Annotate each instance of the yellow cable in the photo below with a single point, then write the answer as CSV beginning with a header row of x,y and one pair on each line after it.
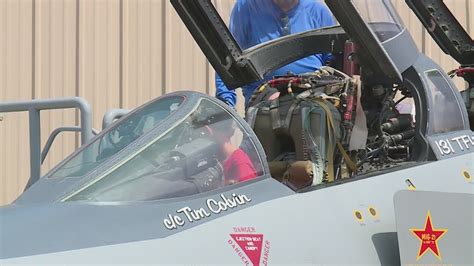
x,y
352,166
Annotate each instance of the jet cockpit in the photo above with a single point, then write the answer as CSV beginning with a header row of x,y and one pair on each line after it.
x,y
175,146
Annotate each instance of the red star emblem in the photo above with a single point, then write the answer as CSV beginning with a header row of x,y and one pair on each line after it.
x,y
429,238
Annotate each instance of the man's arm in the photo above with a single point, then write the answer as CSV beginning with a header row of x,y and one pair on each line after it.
x,y
223,93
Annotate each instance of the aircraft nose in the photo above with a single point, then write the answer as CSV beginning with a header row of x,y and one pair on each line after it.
x,y
37,229
30,230
12,220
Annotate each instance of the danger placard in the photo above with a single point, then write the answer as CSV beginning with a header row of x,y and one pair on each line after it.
x,y
251,245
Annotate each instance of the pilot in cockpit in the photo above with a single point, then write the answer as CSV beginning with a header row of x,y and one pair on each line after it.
x,y
237,164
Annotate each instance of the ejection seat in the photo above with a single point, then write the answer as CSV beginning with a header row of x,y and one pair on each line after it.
x,y
284,127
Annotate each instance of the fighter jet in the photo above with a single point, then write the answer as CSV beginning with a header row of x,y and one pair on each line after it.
x,y
326,168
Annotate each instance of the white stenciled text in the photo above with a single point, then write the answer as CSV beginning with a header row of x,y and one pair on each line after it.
x,y
460,143
213,206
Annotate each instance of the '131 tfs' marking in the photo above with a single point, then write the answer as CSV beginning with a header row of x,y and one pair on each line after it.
x,y
446,146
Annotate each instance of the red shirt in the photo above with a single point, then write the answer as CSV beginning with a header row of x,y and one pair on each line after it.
x,y
239,167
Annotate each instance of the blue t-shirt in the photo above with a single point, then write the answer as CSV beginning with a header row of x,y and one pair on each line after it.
x,y
257,21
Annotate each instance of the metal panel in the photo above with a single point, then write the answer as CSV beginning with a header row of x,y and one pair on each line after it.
x,y
99,56
15,83
186,66
143,51
55,69
470,17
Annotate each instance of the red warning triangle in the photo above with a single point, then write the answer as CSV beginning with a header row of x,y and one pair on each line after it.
x,y
251,245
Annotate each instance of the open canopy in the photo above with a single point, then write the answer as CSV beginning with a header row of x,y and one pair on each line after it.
x,y
373,24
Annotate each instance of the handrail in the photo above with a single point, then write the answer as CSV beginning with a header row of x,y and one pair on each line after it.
x,y
34,107
112,115
53,136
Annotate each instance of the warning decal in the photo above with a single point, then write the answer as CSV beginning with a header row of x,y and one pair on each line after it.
x,y
251,245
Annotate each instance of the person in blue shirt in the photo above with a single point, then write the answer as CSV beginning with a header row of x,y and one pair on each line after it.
x,y
257,21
